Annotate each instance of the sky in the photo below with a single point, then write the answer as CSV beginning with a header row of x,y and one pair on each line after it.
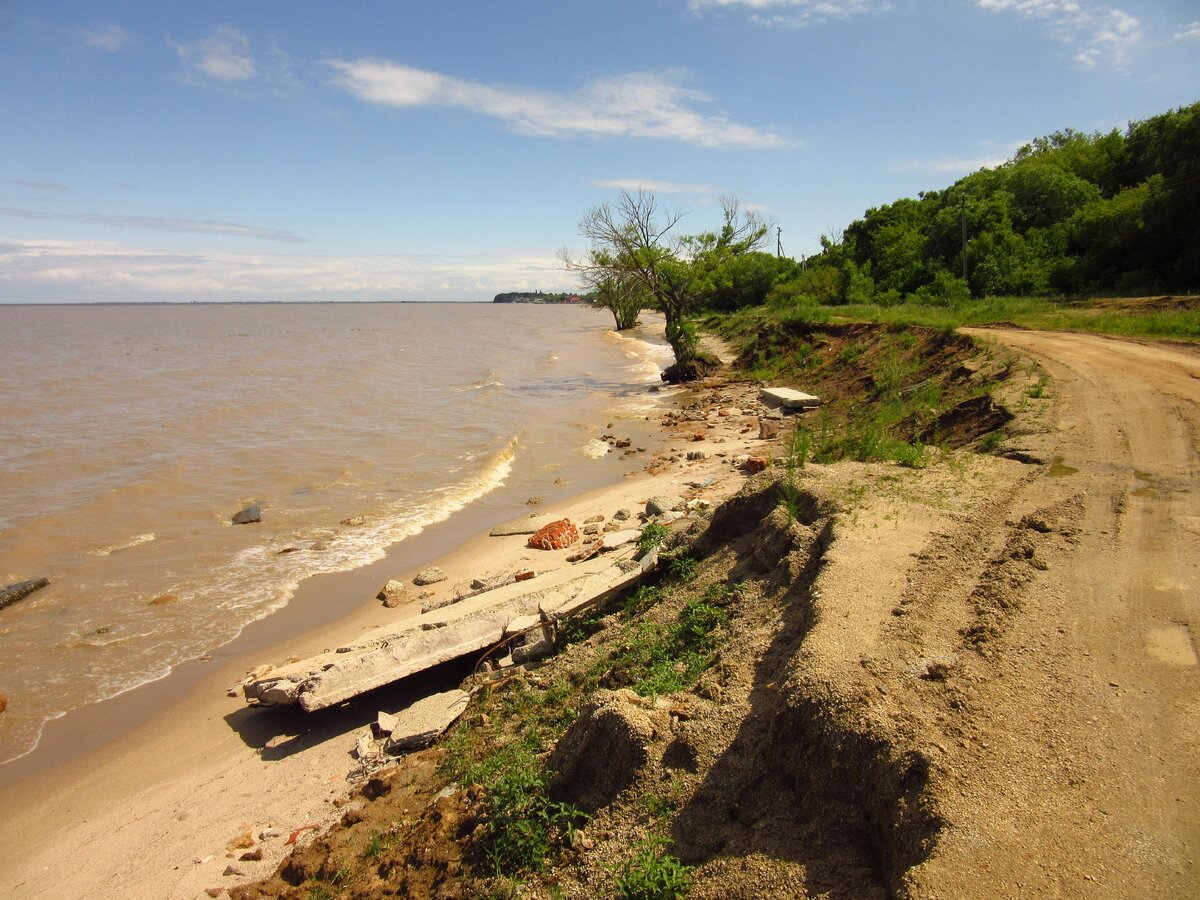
x,y
447,151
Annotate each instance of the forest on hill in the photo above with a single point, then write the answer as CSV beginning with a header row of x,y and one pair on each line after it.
x,y
1070,214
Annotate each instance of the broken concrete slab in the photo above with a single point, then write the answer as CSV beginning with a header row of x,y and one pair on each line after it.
x,y
789,398
385,723
470,627
520,525
615,539
420,723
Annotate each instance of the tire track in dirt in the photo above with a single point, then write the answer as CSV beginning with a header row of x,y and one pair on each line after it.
x,y
1092,786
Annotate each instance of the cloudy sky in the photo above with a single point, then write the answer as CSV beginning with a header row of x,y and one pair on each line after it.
x,y
302,150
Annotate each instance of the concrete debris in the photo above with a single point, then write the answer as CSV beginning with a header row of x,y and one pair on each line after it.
x,y
439,603
470,627
432,575
587,551
385,723
768,429
21,590
755,464
788,398
424,720
615,539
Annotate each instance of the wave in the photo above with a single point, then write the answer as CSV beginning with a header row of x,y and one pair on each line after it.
x,y
123,545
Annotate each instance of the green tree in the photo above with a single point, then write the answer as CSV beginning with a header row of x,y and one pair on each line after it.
x,y
636,239
624,297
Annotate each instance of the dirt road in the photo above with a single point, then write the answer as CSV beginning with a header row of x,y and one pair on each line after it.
x,y
1096,789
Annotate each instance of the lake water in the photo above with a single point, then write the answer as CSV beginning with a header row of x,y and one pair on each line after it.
x,y
133,433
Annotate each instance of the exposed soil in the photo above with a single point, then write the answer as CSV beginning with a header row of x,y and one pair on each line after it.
x,y
976,679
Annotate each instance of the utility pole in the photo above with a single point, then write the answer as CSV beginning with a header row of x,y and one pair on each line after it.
x,y
964,235
778,242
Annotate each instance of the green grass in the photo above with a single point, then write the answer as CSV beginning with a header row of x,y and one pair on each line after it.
x,y
525,828
1031,312
652,874
661,658
652,536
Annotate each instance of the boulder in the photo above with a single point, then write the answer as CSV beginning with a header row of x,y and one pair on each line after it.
x,y
621,514
657,506
432,575
768,429
354,521
3,702
755,464
393,594
252,513
163,600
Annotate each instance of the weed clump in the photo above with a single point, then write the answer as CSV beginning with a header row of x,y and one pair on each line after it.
x,y
652,874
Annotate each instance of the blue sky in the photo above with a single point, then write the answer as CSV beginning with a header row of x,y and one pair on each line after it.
x,y
295,150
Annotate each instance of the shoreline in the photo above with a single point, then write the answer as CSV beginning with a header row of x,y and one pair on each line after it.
x,y
191,769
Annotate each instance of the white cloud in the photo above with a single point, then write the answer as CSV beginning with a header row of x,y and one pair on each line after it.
x,y
37,185
109,38
639,104
1189,32
794,12
49,270
1101,34
156,223
949,165
656,187
223,55
992,154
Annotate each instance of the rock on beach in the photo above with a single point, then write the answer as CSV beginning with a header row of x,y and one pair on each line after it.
x,y
248,515
432,575
393,594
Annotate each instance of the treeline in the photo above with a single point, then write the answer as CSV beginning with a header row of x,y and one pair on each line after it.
x,y
1070,214
538,297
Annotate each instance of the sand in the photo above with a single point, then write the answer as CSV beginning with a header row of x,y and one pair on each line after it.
x,y
196,777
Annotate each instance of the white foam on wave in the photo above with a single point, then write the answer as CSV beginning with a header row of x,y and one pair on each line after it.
x,y
594,449
123,545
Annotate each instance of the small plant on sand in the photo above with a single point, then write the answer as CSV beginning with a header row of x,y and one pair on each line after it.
x,y
1038,389
991,441
652,874
660,658
640,601
525,827
683,567
578,628
652,536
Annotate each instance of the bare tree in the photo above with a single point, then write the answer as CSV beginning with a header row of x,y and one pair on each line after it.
x,y
636,240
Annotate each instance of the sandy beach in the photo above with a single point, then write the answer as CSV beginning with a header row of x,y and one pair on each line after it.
x,y
196,776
